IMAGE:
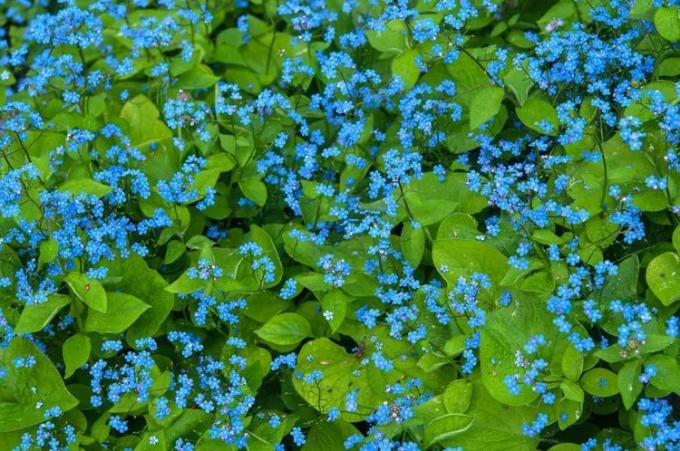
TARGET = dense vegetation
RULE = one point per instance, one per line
(339, 224)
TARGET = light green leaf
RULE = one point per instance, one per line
(667, 23)
(501, 340)
(30, 391)
(85, 186)
(457, 396)
(254, 189)
(200, 76)
(405, 67)
(430, 200)
(49, 249)
(35, 317)
(90, 291)
(342, 373)
(133, 276)
(445, 428)
(534, 112)
(76, 352)
(667, 373)
(412, 243)
(495, 427)
(486, 103)
(335, 302)
(519, 83)
(123, 311)
(390, 40)
(185, 285)
(285, 329)
(456, 258)
(600, 382)
(663, 277)
(145, 126)
(629, 383)
(572, 363)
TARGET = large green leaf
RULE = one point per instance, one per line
(456, 258)
(28, 392)
(124, 310)
(486, 103)
(535, 112)
(667, 23)
(35, 317)
(494, 427)
(663, 277)
(145, 126)
(133, 276)
(285, 329)
(342, 373)
(502, 339)
(76, 352)
(90, 291)
(429, 200)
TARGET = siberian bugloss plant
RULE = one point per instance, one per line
(339, 224)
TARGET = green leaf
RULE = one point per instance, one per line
(669, 67)
(173, 251)
(600, 382)
(405, 67)
(34, 318)
(501, 340)
(123, 311)
(85, 186)
(342, 373)
(457, 396)
(76, 352)
(285, 329)
(485, 104)
(628, 382)
(133, 276)
(495, 427)
(412, 243)
(335, 302)
(663, 277)
(31, 390)
(186, 285)
(199, 77)
(445, 428)
(572, 363)
(676, 239)
(262, 238)
(145, 126)
(457, 226)
(534, 112)
(49, 249)
(390, 40)
(152, 441)
(456, 258)
(428, 200)
(519, 83)
(572, 391)
(667, 373)
(622, 286)
(90, 291)
(329, 436)
(667, 23)
(468, 76)
(254, 189)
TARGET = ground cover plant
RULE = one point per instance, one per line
(339, 224)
